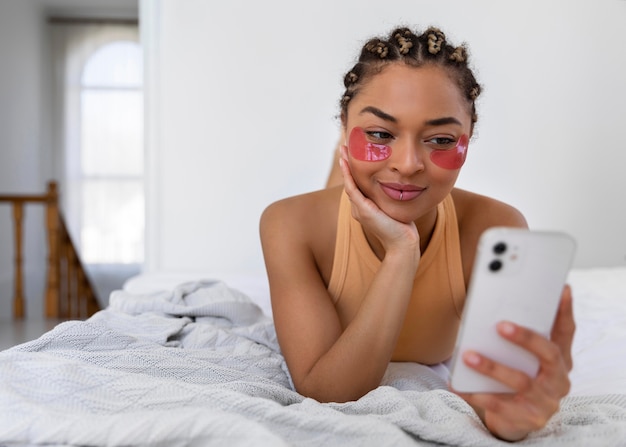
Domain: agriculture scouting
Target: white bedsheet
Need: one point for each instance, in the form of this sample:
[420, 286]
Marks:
[599, 347]
[256, 287]
[199, 365]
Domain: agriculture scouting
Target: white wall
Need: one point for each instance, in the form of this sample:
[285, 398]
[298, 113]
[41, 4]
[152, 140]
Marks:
[243, 98]
[228, 138]
[20, 148]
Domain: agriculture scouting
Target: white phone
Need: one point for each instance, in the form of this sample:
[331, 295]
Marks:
[518, 276]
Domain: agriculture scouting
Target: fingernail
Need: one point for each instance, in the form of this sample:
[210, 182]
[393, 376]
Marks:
[472, 358]
[507, 328]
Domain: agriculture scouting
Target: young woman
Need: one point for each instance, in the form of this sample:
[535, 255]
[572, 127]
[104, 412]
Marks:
[375, 270]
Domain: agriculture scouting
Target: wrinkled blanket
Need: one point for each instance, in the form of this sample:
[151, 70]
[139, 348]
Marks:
[200, 366]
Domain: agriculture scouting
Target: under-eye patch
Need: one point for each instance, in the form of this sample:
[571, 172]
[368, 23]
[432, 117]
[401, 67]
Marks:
[452, 158]
[363, 150]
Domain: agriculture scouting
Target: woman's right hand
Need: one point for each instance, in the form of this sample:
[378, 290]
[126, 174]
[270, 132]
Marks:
[391, 233]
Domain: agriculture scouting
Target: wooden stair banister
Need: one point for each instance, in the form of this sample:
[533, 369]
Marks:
[77, 294]
[53, 273]
[18, 297]
[69, 292]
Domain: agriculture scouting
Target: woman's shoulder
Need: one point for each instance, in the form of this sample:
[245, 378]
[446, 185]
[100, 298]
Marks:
[302, 227]
[309, 218]
[314, 207]
[475, 214]
[482, 212]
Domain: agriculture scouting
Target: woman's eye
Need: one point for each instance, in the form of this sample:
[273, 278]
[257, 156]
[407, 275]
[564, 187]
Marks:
[378, 136]
[443, 142]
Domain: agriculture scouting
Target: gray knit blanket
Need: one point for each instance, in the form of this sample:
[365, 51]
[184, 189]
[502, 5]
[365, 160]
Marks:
[200, 366]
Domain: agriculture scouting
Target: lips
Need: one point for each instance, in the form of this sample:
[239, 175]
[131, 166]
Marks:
[398, 191]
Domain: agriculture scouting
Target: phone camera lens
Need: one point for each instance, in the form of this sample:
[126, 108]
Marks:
[495, 265]
[499, 248]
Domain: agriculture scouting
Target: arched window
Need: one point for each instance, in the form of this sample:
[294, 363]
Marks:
[111, 203]
[97, 152]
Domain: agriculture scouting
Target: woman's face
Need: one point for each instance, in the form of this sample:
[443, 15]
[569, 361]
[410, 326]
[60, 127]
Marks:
[405, 132]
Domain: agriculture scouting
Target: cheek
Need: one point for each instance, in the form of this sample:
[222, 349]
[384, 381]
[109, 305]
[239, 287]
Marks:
[451, 158]
[363, 150]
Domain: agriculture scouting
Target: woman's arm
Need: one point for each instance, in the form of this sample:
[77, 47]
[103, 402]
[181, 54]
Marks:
[328, 362]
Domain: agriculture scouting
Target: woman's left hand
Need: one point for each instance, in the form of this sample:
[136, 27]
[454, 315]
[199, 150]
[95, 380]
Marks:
[511, 416]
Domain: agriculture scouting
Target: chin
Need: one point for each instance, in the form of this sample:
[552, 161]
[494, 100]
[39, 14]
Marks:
[405, 219]
[406, 215]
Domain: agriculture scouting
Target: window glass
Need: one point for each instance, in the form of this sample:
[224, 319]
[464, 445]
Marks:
[112, 221]
[115, 64]
[111, 156]
[111, 129]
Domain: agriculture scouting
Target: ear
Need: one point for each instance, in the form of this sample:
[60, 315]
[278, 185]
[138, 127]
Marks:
[344, 121]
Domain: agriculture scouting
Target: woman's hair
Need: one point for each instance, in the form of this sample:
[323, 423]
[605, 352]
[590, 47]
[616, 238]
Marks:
[402, 45]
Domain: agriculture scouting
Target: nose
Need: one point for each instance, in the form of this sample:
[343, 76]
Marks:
[407, 158]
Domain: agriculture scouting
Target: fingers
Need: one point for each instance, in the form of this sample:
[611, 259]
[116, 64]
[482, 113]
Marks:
[349, 184]
[564, 326]
[552, 379]
[546, 351]
[512, 417]
[362, 205]
[553, 365]
[534, 400]
[514, 379]
[553, 353]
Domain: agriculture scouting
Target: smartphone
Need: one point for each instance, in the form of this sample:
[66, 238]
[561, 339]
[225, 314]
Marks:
[518, 276]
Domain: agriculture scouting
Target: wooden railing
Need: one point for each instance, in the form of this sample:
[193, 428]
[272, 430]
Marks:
[69, 293]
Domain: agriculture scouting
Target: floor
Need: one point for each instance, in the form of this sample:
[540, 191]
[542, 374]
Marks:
[16, 332]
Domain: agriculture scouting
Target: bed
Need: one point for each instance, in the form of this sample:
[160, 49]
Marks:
[186, 359]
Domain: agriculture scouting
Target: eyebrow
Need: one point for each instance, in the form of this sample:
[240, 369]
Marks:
[379, 113]
[444, 121]
[434, 122]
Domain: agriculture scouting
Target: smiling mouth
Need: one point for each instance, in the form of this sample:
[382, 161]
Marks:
[401, 192]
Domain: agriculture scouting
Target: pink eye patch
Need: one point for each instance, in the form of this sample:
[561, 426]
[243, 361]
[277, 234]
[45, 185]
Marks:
[451, 158]
[363, 150]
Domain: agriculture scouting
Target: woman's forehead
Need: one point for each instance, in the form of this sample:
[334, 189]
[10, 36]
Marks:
[400, 89]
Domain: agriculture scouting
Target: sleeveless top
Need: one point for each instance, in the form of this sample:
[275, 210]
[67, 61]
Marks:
[432, 318]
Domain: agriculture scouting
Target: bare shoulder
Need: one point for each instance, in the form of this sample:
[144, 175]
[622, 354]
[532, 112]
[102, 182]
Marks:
[310, 211]
[482, 211]
[475, 214]
[303, 226]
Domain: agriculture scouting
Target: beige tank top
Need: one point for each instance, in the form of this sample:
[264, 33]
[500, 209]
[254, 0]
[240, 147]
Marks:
[433, 314]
